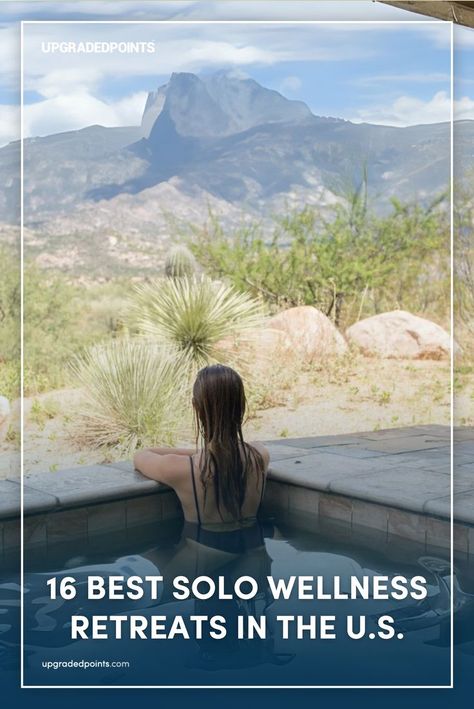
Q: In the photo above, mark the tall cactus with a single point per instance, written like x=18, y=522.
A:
x=180, y=262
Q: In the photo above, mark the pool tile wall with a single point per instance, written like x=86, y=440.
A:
x=395, y=481
x=289, y=501
x=85, y=522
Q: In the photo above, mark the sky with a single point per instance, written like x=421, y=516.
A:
x=395, y=73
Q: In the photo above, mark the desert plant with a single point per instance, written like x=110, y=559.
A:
x=43, y=411
x=349, y=263
x=134, y=393
x=193, y=314
x=60, y=318
x=180, y=262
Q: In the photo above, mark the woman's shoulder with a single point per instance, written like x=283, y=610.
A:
x=262, y=449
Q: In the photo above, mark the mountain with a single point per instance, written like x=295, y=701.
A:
x=218, y=141
x=218, y=105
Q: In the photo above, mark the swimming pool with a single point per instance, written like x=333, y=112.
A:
x=292, y=546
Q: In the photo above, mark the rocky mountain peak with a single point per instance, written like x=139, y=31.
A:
x=218, y=104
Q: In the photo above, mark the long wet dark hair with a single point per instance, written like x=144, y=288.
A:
x=219, y=405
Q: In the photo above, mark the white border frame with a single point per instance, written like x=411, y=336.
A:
x=238, y=22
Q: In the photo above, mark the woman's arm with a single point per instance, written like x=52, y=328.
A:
x=168, y=468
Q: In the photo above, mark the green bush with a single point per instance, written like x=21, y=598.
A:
x=10, y=379
x=60, y=318
x=351, y=265
x=51, y=333
x=50, y=330
x=10, y=324
x=464, y=254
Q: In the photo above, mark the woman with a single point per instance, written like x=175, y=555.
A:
x=221, y=485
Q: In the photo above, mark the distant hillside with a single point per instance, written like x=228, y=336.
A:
x=217, y=142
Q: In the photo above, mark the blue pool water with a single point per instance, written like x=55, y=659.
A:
x=291, y=547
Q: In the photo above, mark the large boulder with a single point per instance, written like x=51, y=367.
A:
x=399, y=335
x=4, y=416
x=313, y=335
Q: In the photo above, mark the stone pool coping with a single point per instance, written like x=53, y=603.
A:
x=372, y=478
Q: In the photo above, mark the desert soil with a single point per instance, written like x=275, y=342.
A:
x=365, y=395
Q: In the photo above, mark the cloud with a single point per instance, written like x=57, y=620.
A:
x=9, y=53
x=290, y=84
x=130, y=8
x=238, y=73
x=298, y=10
x=231, y=9
x=71, y=83
x=180, y=50
x=72, y=111
x=335, y=42
x=464, y=109
x=185, y=47
x=415, y=78
x=9, y=124
x=212, y=53
x=408, y=110
x=60, y=81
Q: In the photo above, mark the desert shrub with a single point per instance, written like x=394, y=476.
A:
x=193, y=314
x=48, y=327
x=464, y=301
x=180, y=262
x=60, y=319
x=464, y=255
x=9, y=324
x=50, y=331
x=43, y=410
x=134, y=394
x=351, y=264
x=10, y=379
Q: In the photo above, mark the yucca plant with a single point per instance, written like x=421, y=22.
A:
x=134, y=393
x=180, y=262
x=193, y=314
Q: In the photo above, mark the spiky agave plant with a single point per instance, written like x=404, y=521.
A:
x=134, y=393
x=193, y=314
x=180, y=262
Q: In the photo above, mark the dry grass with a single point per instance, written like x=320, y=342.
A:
x=340, y=396
x=134, y=395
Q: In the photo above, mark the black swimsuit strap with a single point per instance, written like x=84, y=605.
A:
x=262, y=491
x=194, y=490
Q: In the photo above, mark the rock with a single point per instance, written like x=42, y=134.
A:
x=399, y=335
x=4, y=416
x=313, y=335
